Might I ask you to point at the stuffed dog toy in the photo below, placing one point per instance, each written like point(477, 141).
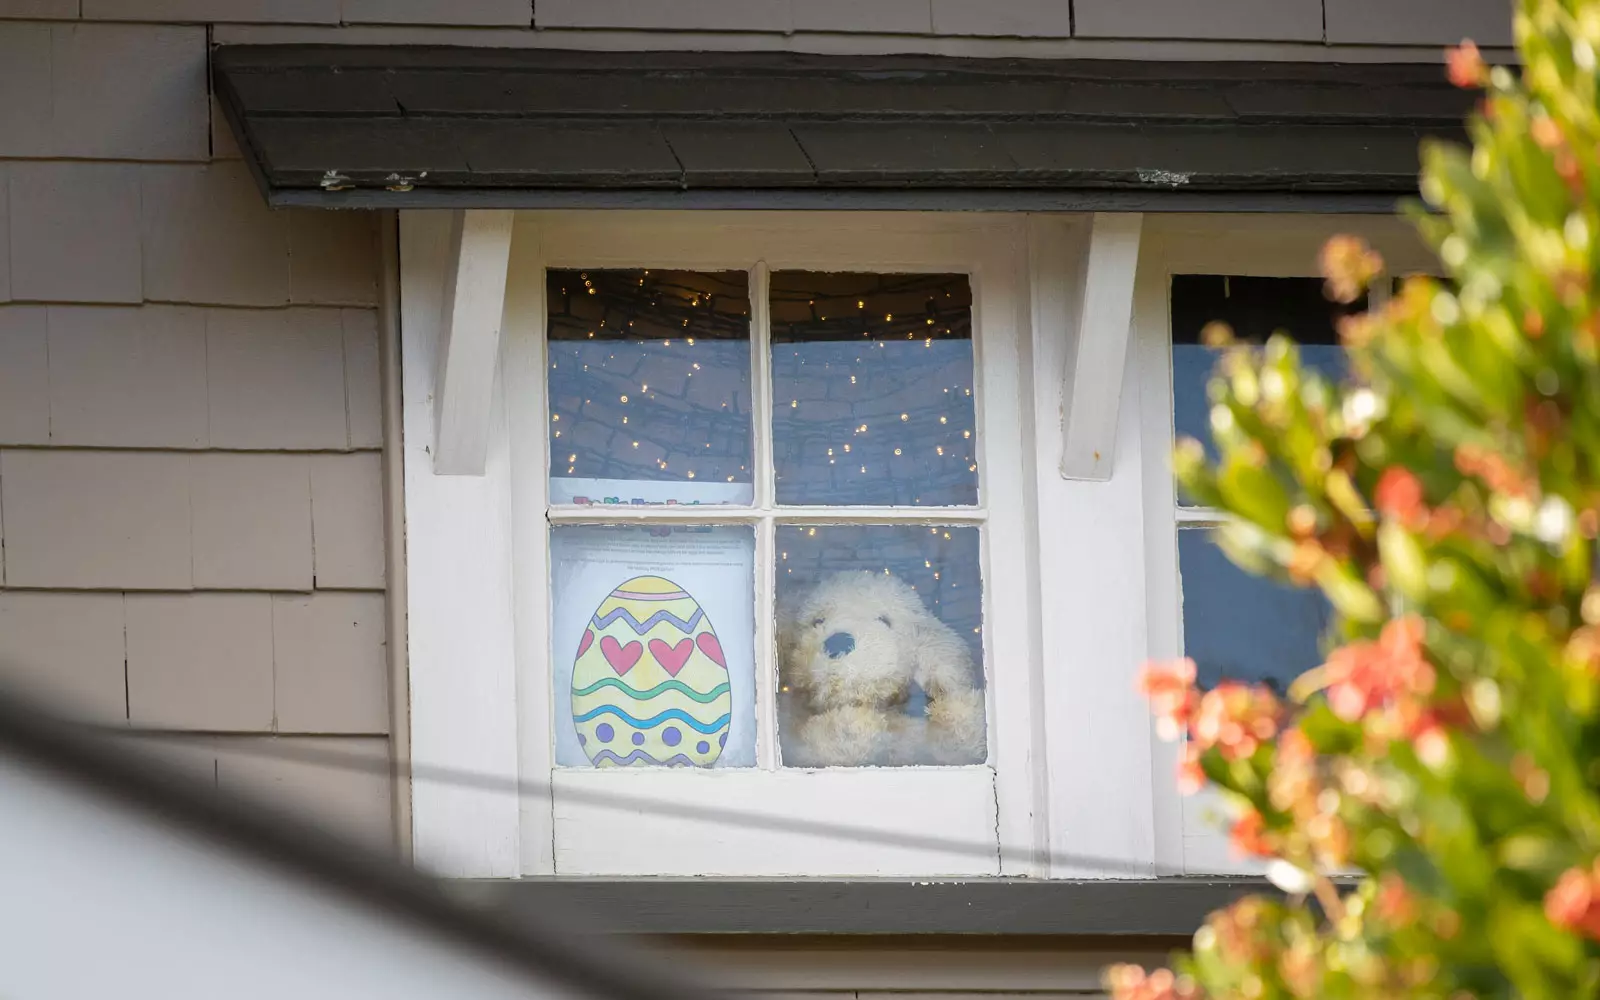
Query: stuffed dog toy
point(849, 653)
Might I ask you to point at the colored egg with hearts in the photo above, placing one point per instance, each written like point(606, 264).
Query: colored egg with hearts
point(650, 682)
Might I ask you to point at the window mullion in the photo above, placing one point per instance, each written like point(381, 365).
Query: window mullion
point(766, 648)
point(761, 381)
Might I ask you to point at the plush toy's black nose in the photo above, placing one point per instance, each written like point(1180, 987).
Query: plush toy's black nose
point(838, 644)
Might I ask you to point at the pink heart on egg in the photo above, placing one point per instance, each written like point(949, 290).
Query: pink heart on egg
point(671, 658)
point(622, 658)
point(586, 641)
point(711, 647)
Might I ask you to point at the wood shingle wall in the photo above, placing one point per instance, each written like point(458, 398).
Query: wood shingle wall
point(190, 494)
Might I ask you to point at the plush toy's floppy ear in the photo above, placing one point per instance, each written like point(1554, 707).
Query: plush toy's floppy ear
point(943, 668)
point(942, 663)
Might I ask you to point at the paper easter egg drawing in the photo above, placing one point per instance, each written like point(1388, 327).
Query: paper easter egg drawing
point(650, 681)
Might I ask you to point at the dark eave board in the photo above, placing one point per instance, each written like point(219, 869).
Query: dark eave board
point(431, 127)
point(994, 907)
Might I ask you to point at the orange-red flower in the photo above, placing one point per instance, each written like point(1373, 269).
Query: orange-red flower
point(1131, 982)
point(1363, 676)
point(1394, 904)
point(1466, 67)
point(1349, 265)
point(1249, 836)
point(1170, 687)
point(1236, 719)
point(1293, 781)
point(1191, 776)
point(1574, 903)
point(1399, 495)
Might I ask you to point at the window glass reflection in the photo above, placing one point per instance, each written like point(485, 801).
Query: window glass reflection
point(880, 645)
point(1242, 627)
point(652, 645)
point(649, 387)
point(872, 378)
point(1255, 308)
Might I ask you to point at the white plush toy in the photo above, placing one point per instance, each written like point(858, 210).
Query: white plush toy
point(849, 653)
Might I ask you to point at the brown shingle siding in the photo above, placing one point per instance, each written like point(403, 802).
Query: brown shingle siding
point(363, 388)
point(333, 258)
point(346, 506)
point(1256, 20)
point(127, 376)
point(215, 11)
point(24, 379)
point(128, 92)
point(342, 781)
point(75, 232)
point(66, 649)
point(152, 309)
point(103, 91)
point(39, 9)
point(209, 238)
point(276, 379)
point(96, 519)
point(252, 521)
point(200, 661)
point(25, 86)
point(506, 13)
point(330, 663)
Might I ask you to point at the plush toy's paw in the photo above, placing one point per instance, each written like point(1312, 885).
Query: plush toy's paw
point(848, 736)
point(956, 728)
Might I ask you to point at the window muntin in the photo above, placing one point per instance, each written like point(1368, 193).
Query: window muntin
point(931, 711)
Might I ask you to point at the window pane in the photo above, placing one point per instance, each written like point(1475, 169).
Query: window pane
point(880, 645)
point(872, 393)
point(649, 387)
point(1242, 627)
point(652, 641)
point(1255, 308)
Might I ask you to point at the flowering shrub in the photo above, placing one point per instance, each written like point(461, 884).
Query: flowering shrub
point(1447, 502)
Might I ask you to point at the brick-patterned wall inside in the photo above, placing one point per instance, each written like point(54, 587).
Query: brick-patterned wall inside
point(191, 517)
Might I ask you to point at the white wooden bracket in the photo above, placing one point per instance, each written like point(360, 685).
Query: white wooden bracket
point(1094, 375)
point(469, 323)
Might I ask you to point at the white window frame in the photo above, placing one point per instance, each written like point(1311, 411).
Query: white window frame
point(477, 571)
point(1191, 839)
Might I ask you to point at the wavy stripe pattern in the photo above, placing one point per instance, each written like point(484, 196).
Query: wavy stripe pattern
point(677, 714)
point(704, 698)
point(637, 595)
point(641, 627)
point(640, 755)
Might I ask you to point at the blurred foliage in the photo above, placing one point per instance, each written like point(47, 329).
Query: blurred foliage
point(1428, 796)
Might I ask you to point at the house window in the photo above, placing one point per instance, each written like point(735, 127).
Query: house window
point(1257, 280)
point(869, 382)
point(760, 488)
point(1237, 626)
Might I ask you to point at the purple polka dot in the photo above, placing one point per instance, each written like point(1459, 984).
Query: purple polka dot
point(722, 741)
point(702, 747)
point(671, 737)
point(603, 732)
point(582, 740)
point(638, 739)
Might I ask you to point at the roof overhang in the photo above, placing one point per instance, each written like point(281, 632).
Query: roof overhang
point(434, 127)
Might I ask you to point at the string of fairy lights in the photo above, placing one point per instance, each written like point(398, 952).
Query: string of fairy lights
point(680, 408)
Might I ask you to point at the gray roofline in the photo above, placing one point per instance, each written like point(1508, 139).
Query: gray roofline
point(1160, 907)
point(888, 200)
